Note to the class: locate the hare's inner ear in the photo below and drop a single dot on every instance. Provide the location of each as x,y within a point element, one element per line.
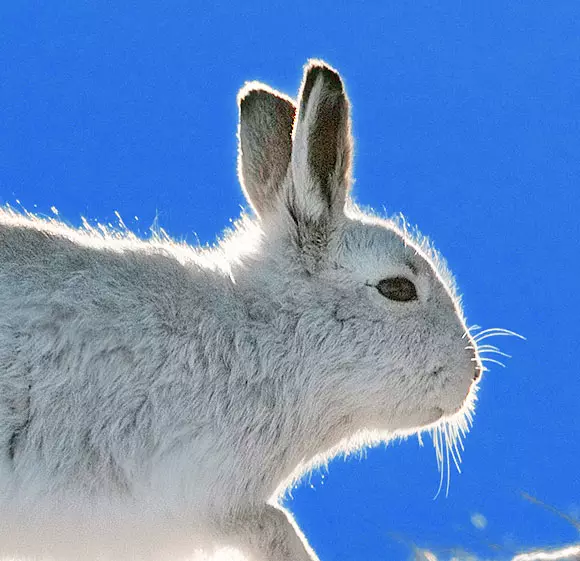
<point>322,146</point>
<point>265,144</point>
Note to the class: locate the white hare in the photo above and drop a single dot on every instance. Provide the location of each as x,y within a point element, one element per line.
<point>155,398</point>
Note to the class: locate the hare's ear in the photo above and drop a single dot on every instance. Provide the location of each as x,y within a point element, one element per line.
<point>265,144</point>
<point>322,146</point>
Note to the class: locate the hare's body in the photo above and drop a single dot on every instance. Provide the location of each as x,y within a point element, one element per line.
<point>154,397</point>
<point>125,382</point>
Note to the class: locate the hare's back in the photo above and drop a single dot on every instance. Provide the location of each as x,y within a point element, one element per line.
<point>87,335</point>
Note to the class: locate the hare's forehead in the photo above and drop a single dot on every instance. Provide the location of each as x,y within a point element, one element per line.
<point>378,245</point>
<point>393,246</point>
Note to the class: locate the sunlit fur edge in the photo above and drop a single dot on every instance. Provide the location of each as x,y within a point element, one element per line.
<point>238,240</point>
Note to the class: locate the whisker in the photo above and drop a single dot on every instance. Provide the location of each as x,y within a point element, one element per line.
<point>451,447</point>
<point>434,437</point>
<point>498,334</point>
<point>495,352</point>
<point>470,329</point>
<point>482,349</point>
<point>496,331</point>
<point>439,454</point>
<point>487,346</point>
<point>448,438</point>
<point>448,462</point>
<point>502,329</point>
<point>487,359</point>
<point>459,442</point>
<point>458,445</point>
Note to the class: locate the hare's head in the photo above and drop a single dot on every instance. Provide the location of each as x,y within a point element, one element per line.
<point>377,329</point>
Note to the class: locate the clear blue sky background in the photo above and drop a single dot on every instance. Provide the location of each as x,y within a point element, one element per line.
<point>466,119</point>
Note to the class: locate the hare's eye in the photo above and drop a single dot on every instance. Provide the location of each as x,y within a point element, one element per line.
<point>397,288</point>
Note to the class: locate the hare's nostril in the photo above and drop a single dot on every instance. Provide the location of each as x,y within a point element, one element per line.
<point>437,371</point>
<point>477,374</point>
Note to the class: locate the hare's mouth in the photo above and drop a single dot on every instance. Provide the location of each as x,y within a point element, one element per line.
<point>438,413</point>
<point>429,417</point>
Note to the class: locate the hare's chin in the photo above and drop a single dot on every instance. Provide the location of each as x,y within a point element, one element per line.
<point>435,415</point>
<point>424,419</point>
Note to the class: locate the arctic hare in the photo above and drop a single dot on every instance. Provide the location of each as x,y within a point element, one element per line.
<point>154,397</point>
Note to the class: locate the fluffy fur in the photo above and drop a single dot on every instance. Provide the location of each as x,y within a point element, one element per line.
<point>155,398</point>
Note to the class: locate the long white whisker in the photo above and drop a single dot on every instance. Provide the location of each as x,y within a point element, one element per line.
<point>494,352</point>
<point>448,438</point>
<point>498,334</point>
<point>440,461</point>
<point>487,359</point>
<point>470,329</point>
<point>448,462</point>
<point>496,331</point>
<point>487,346</point>
<point>499,329</point>
<point>451,447</point>
<point>458,442</point>
<point>491,349</point>
<point>435,445</point>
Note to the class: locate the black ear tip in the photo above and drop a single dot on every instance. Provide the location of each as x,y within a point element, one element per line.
<point>319,70</point>
<point>249,97</point>
<point>255,96</point>
<point>331,77</point>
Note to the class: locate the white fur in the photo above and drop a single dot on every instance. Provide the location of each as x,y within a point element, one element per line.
<point>154,397</point>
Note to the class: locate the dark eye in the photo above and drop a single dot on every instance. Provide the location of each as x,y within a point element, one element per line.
<point>397,288</point>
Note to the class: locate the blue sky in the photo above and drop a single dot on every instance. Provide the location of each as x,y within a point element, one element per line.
<point>466,120</point>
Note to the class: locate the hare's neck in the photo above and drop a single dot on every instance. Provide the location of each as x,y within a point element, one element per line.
<point>286,416</point>
<point>321,430</point>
